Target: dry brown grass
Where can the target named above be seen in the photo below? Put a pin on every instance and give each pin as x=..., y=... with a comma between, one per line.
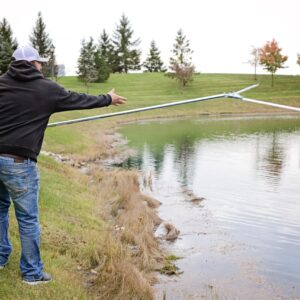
x=118, y=277
x=130, y=252
x=172, y=233
x=101, y=147
x=124, y=254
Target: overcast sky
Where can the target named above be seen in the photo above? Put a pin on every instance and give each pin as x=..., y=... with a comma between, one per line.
x=221, y=32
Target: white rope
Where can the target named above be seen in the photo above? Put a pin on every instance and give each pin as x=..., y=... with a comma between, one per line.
x=126, y=112
x=235, y=95
x=272, y=104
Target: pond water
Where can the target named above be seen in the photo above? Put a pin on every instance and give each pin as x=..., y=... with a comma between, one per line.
x=231, y=185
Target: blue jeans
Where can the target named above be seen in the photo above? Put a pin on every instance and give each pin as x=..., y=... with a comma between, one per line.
x=20, y=183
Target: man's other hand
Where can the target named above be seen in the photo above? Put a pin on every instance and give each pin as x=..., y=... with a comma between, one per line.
x=116, y=99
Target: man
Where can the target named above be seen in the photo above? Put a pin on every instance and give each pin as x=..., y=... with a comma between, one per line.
x=27, y=100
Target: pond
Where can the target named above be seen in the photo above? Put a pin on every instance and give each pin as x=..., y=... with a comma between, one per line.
x=231, y=185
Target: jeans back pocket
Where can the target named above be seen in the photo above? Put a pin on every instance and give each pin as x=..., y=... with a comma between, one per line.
x=15, y=180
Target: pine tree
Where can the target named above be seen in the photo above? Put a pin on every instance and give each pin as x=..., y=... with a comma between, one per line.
x=6, y=33
x=103, y=57
x=106, y=48
x=135, y=62
x=181, y=62
x=50, y=69
x=153, y=63
x=5, y=55
x=102, y=67
x=87, y=71
x=7, y=45
x=126, y=56
x=43, y=44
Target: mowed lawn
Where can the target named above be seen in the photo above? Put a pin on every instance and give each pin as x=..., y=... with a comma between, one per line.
x=149, y=89
x=71, y=224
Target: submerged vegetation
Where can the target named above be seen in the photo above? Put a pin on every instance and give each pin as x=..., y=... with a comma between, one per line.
x=169, y=267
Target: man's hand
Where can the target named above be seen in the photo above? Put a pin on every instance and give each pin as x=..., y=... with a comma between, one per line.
x=116, y=99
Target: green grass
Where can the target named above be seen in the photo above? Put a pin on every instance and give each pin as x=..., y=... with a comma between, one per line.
x=70, y=237
x=150, y=89
x=72, y=228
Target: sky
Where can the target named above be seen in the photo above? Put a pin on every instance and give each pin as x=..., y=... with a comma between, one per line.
x=221, y=32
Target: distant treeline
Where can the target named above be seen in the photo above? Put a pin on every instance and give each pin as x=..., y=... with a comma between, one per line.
x=116, y=54
x=120, y=53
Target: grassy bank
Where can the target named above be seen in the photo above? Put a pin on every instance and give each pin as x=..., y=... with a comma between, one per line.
x=97, y=229
x=151, y=89
x=65, y=207
x=83, y=247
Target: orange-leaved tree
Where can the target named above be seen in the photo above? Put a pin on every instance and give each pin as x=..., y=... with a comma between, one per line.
x=271, y=58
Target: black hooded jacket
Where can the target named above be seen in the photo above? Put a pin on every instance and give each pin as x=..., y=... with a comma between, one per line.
x=27, y=101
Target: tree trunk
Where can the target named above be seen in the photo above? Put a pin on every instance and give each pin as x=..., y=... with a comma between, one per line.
x=87, y=86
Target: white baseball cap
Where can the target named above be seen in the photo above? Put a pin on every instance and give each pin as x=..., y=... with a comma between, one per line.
x=29, y=54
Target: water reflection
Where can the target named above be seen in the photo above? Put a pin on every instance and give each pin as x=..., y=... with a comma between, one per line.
x=272, y=159
x=248, y=170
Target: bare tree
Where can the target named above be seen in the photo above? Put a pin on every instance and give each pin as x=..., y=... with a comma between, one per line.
x=254, y=61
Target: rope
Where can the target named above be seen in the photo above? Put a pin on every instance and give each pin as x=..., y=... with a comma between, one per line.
x=235, y=95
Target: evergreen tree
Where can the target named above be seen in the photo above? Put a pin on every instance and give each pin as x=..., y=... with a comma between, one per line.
x=181, y=62
x=5, y=55
x=50, y=69
x=7, y=45
x=6, y=33
x=135, y=61
x=87, y=71
x=102, y=67
x=43, y=44
x=103, y=57
x=106, y=48
x=126, y=57
x=153, y=63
